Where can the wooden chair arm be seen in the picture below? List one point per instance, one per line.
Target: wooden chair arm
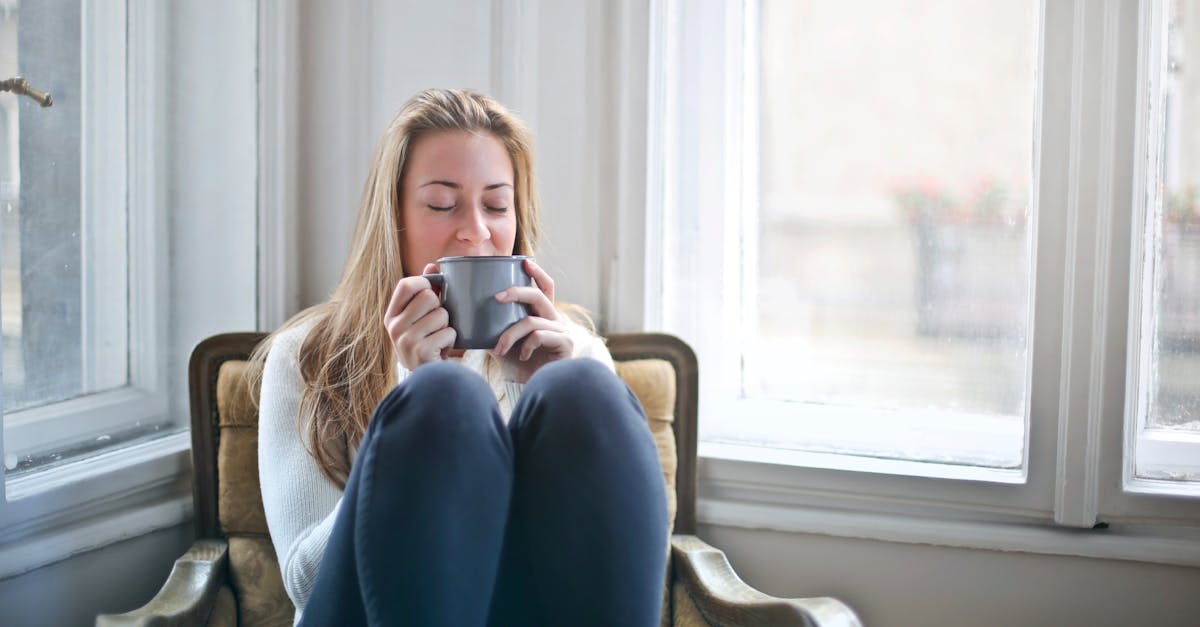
(189, 594)
(724, 599)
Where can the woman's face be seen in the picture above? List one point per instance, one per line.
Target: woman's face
(456, 198)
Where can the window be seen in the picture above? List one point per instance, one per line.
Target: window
(65, 257)
(129, 211)
(886, 269)
(904, 243)
(1166, 376)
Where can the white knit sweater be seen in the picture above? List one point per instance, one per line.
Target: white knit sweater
(301, 504)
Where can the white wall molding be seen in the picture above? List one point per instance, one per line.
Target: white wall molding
(630, 261)
(54, 514)
(335, 110)
(105, 250)
(278, 141)
(514, 58)
(87, 534)
(1136, 546)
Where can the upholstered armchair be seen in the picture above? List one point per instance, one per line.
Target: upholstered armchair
(230, 575)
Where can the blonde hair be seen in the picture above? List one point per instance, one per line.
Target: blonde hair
(347, 360)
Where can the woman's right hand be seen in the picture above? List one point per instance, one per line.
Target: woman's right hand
(416, 322)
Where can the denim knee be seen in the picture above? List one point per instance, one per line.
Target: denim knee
(583, 393)
(441, 398)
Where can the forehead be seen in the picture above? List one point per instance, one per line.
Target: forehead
(460, 157)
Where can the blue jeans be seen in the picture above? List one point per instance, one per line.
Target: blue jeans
(450, 517)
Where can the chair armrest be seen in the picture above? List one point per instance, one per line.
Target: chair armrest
(724, 599)
(187, 597)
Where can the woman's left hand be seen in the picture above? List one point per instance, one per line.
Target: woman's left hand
(539, 338)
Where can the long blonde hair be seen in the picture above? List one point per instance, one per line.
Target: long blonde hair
(347, 360)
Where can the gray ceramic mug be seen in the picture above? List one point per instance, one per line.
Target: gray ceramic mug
(468, 287)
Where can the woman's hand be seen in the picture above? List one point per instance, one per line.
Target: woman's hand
(416, 322)
(539, 338)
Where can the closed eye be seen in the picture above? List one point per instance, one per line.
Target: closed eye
(435, 208)
(498, 209)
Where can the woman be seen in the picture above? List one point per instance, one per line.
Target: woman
(406, 483)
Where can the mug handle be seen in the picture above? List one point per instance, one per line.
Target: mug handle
(437, 280)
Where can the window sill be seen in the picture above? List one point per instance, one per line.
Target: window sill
(81, 506)
(762, 493)
(856, 463)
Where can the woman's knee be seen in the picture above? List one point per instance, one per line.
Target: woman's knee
(438, 397)
(585, 392)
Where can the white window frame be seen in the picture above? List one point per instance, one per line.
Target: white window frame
(1154, 450)
(123, 492)
(40, 503)
(1073, 478)
(110, 401)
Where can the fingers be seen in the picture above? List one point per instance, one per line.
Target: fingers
(426, 341)
(539, 297)
(433, 347)
(418, 307)
(555, 343)
(534, 333)
(406, 288)
(416, 322)
(539, 304)
(540, 278)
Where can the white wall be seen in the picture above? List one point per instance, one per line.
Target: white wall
(905, 585)
(116, 578)
(361, 60)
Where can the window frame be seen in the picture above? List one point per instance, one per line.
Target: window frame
(75, 494)
(1084, 168)
(109, 211)
(1141, 441)
(121, 492)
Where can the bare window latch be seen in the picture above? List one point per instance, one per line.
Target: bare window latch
(18, 85)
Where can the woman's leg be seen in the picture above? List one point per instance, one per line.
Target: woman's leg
(587, 536)
(421, 524)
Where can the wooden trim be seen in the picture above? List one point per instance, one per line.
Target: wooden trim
(205, 363)
(627, 346)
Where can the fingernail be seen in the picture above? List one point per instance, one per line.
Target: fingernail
(502, 296)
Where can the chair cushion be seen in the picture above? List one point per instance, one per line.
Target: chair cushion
(653, 383)
(686, 612)
(239, 497)
(224, 612)
(254, 572)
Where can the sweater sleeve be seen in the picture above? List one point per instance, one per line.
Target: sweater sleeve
(591, 346)
(301, 505)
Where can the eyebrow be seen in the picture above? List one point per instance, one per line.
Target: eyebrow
(453, 185)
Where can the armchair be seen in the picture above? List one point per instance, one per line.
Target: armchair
(230, 575)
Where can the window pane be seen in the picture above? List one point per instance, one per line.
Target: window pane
(893, 257)
(1173, 363)
(40, 196)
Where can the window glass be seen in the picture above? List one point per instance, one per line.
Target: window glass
(892, 266)
(40, 205)
(1172, 365)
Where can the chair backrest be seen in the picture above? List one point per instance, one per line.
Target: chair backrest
(661, 370)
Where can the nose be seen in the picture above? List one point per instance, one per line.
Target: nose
(473, 228)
